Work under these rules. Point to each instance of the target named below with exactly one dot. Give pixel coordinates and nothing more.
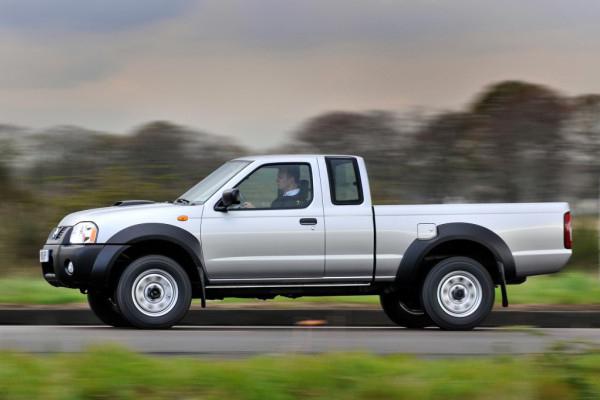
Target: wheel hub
(154, 292)
(459, 294)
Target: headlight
(84, 233)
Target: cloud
(292, 25)
(255, 69)
(72, 16)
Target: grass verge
(563, 288)
(115, 373)
(30, 290)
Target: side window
(277, 186)
(344, 181)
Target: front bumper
(83, 258)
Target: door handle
(308, 221)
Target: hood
(111, 220)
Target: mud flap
(503, 284)
(202, 288)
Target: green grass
(114, 373)
(30, 290)
(563, 288)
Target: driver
(289, 196)
(288, 179)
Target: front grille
(57, 232)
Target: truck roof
(278, 157)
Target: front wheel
(458, 293)
(154, 292)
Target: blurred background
(458, 101)
(447, 101)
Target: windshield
(213, 182)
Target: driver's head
(288, 177)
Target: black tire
(403, 310)
(458, 293)
(105, 309)
(163, 292)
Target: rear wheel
(154, 292)
(458, 293)
(404, 310)
(105, 308)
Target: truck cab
(275, 243)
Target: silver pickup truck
(302, 225)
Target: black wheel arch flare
(418, 249)
(131, 235)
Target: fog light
(70, 268)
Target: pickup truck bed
(532, 231)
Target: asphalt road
(244, 341)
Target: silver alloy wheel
(154, 292)
(459, 294)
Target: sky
(254, 70)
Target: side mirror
(228, 198)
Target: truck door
(349, 222)
(276, 234)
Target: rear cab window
(344, 180)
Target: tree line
(515, 142)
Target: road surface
(245, 341)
